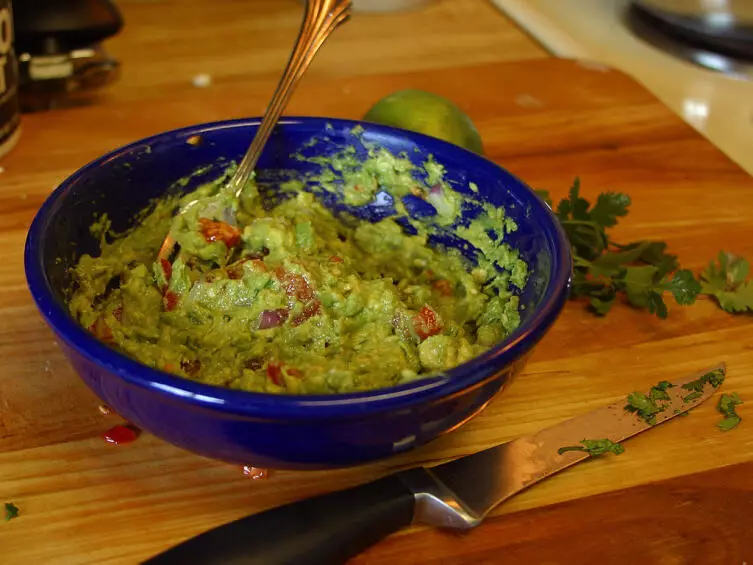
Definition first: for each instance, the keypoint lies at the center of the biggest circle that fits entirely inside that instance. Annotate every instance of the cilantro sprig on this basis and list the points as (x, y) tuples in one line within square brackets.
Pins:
[(594, 447), (727, 406), (642, 271)]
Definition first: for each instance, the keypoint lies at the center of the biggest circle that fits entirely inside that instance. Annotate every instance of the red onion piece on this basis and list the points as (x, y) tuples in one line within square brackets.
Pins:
[(272, 318)]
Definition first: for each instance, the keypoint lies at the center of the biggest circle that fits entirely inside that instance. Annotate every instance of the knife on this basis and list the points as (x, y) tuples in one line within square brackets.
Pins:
[(331, 528)]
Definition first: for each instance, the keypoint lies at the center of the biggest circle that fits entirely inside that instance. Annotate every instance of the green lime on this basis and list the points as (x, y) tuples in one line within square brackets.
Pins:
[(426, 113)]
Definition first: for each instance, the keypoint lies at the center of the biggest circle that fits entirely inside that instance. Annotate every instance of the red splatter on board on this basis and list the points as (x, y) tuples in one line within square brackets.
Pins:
[(121, 434)]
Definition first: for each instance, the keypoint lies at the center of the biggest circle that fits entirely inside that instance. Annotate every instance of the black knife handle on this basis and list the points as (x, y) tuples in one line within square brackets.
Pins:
[(325, 530)]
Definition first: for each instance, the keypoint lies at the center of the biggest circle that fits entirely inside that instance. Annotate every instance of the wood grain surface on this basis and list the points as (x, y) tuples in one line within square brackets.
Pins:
[(85, 502), (248, 41)]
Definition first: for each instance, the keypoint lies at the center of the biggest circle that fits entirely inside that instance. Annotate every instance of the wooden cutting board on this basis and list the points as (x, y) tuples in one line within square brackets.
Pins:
[(682, 493)]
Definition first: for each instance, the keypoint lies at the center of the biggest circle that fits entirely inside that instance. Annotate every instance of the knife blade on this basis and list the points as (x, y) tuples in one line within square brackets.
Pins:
[(331, 528)]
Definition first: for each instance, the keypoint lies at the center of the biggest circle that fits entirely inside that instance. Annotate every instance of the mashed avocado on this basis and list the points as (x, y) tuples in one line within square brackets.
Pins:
[(294, 300)]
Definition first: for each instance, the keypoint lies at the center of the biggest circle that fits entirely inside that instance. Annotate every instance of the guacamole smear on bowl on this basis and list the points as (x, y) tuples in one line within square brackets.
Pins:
[(286, 296)]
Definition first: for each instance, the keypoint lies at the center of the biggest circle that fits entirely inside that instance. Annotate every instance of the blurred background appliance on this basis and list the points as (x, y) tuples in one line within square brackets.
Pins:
[(60, 52)]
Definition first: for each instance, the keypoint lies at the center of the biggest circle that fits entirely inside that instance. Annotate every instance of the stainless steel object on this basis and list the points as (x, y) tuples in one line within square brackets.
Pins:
[(320, 19), (59, 80), (481, 481), (332, 528), (716, 34), (62, 59), (719, 13)]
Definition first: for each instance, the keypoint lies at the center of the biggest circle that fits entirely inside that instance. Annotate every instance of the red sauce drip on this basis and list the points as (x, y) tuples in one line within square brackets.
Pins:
[(121, 434)]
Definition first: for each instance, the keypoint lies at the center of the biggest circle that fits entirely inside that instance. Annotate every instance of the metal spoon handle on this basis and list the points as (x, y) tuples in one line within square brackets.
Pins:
[(319, 21)]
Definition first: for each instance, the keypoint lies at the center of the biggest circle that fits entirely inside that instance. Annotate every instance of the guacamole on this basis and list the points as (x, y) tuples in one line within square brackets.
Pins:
[(287, 297)]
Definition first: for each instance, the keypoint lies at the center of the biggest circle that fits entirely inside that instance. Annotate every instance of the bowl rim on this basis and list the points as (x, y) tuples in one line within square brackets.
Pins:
[(471, 374)]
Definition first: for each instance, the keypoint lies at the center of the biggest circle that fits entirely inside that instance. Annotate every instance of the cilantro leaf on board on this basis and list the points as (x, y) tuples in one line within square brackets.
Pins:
[(11, 511), (610, 206), (725, 280), (727, 406), (683, 286), (594, 447)]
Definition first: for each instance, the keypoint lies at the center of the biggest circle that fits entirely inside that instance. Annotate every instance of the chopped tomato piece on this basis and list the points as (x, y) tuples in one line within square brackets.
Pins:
[(336, 259), (213, 230), (274, 372), (169, 367), (101, 330), (426, 323), (170, 300), (118, 313), (311, 309), (296, 286), (167, 268), (443, 287)]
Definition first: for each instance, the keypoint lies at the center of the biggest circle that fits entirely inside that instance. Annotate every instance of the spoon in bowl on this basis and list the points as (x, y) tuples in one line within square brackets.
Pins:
[(320, 19)]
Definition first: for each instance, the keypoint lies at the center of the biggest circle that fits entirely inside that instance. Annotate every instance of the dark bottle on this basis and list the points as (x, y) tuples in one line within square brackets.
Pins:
[(10, 116)]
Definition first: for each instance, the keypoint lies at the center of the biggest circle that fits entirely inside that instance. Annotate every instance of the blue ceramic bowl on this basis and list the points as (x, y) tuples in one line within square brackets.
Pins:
[(301, 432)]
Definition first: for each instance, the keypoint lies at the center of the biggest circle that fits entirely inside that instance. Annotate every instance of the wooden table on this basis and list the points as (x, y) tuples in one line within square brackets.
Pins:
[(682, 493)]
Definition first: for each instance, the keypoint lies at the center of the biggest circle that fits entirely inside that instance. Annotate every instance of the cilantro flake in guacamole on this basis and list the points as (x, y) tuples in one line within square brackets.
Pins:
[(294, 300)]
